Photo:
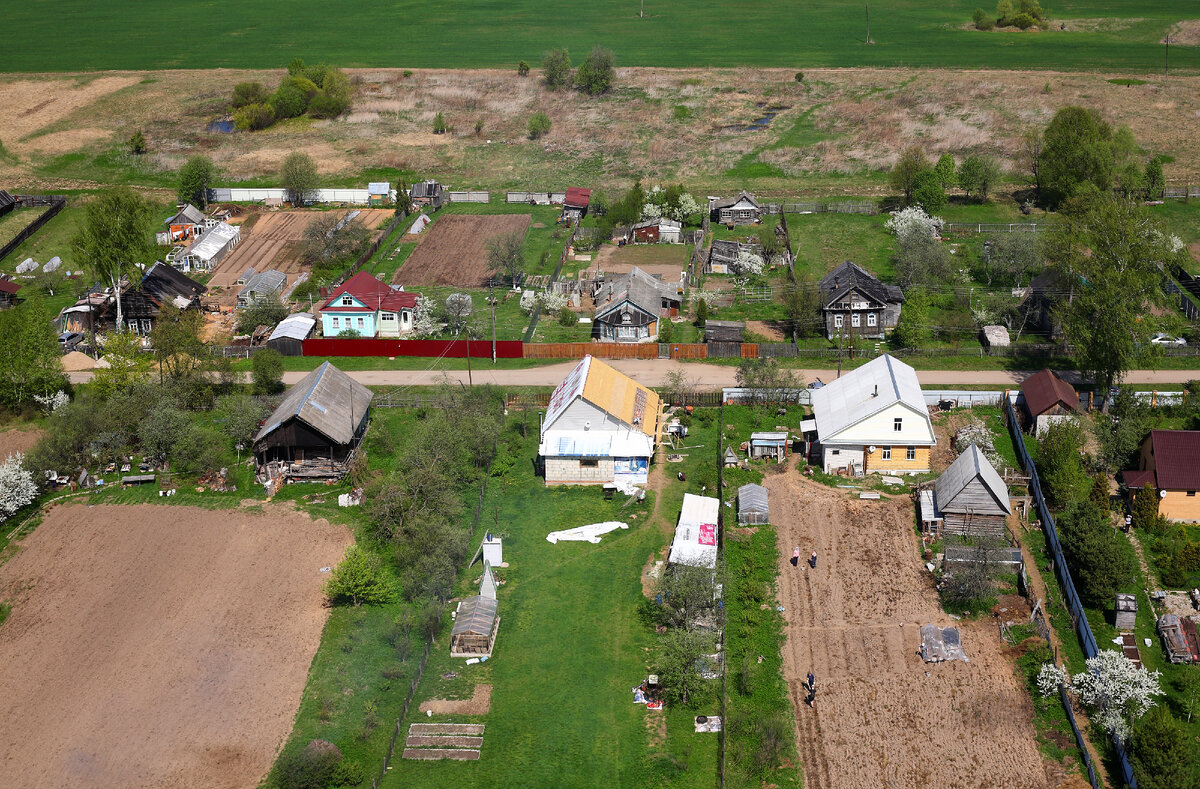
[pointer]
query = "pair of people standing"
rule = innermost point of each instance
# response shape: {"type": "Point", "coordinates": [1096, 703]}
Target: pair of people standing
{"type": "Point", "coordinates": [812, 560]}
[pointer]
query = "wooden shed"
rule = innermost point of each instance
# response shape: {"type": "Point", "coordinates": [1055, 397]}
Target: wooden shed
{"type": "Point", "coordinates": [971, 498]}
{"type": "Point", "coordinates": [1048, 395]}
{"type": "Point", "coordinates": [475, 626]}
{"type": "Point", "coordinates": [316, 430]}
{"type": "Point", "coordinates": [752, 505]}
{"type": "Point", "coordinates": [1126, 611]}
{"type": "Point", "coordinates": [289, 335]}
{"type": "Point", "coordinates": [772, 444]}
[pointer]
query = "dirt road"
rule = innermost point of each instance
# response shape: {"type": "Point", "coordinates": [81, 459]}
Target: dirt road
{"type": "Point", "coordinates": [158, 646]}
{"type": "Point", "coordinates": [884, 718]}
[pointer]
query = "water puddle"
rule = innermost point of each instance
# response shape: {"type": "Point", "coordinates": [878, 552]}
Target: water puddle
{"type": "Point", "coordinates": [221, 126]}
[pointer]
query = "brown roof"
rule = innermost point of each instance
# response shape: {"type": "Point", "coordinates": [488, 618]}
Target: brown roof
{"type": "Point", "coordinates": [577, 197]}
{"type": "Point", "coordinates": [1044, 389]}
{"type": "Point", "coordinates": [1176, 458]}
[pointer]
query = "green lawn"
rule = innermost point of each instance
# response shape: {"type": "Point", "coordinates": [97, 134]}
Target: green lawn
{"type": "Point", "coordinates": [125, 34]}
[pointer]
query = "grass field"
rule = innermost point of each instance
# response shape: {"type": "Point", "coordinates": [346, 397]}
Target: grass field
{"type": "Point", "coordinates": [127, 34]}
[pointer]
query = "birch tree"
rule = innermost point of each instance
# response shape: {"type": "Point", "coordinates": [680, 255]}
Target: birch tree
{"type": "Point", "coordinates": [114, 238]}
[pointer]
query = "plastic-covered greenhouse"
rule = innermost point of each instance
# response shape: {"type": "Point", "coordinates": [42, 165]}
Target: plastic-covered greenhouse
{"type": "Point", "coordinates": [752, 504]}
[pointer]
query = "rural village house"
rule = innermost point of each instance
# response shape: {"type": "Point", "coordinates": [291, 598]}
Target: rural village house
{"type": "Point", "coordinates": [970, 498]}
{"type": "Point", "coordinates": [628, 307]}
{"type": "Point", "coordinates": [7, 202]}
{"type": "Point", "coordinates": [874, 419]}
{"type": "Point", "coordinates": [140, 303]}
{"type": "Point", "coordinates": [855, 303]}
{"type": "Point", "coordinates": [8, 293]}
{"type": "Point", "coordinates": [207, 250]}
{"type": "Point", "coordinates": [1170, 463]}
{"type": "Point", "coordinates": [656, 231]}
{"type": "Point", "coordinates": [187, 223]}
{"type": "Point", "coordinates": [575, 203]}
{"type": "Point", "coordinates": [740, 210]}
{"type": "Point", "coordinates": [601, 427]}
{"type": "Point", "coordinates": [261, 287]}
{"type": "Point", "coordinates": [1048, 398]}
{"type": "Point", "coordinates": [368, 306]}
{"type": "Point", "coordinates": [315, 431]}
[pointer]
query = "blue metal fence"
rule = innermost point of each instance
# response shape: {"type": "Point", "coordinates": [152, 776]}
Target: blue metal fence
{"type": "Point", "coordinates": [1071, 598]}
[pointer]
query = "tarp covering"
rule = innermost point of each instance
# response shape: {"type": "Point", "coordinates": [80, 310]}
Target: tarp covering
{"type": "Point", "coordinates": [941, 643]}
{"type": "Point", "coordinates": [695, 542]}
{"type": "Point", "coordinates": [590, 533]}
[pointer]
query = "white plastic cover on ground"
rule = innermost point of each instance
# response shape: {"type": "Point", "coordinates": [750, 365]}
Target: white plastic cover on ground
{"type": "Point", "coordinates": [590, 533]}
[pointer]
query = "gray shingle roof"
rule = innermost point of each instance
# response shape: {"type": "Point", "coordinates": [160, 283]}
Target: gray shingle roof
{"type": "Point", "coordinates": [189, 213]}
{"type": "Point", "coordinates": [849, 275]}
{"type": "Point", "coordinates": [639, 288]}
{"type": "Point", "coordinates": [969, 465]}
{"type": "Point", "coordinates": [327, 400]}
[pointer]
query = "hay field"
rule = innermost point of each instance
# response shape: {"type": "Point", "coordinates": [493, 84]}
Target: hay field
{"type": "Point", "coordinates": [158, 646]}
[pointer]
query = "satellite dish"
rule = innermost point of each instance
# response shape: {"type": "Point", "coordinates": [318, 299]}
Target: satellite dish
{"type": "Point", "coordinates": [1162, 494]}
{"type": "Point", "coordinates": [871, 449]}
{"type": "Point", "coordinates": [587, 425]}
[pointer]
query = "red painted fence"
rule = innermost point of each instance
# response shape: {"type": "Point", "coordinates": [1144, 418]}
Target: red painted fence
{"type": "Point", "coordinates": [450, 349]}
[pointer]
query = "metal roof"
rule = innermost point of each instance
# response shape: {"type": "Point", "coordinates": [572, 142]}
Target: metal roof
{"type": "Point", "coordinates": [643, 290]}
{"type": "Point", "coordinates": [772, 435]}
{"type": "Point", "coordinates": [729, 202]}
{"type": "Point", "coordinates": [264, 282]}
{"type": "Point", "coordinates": [372, 292]}
{"type": "Point", "coordinates": [695, 540]}
{"type": "Point", "coordinates": [327, 400]}
{"type": "Point", "coordinates": [577, 197]}
{"type": "Point", "coordinates": [476, 616]}
{"type": "Point", "coordinates": [866, 391]}
{"type": "Point", "coordinates": [609, 390]}
{"type": "Point", "coordinates": [189, 214]}
{"type": "Point", "coordinates": [295, 327]}
{"type": "Point", "coordinates": [379, 188]}
{"type": "Point", "coordinates": [1176, 456]}
{"type": "Point", "coordinates": [1044, 389]}
{"type": "Point", "coordinates": [966, 467]}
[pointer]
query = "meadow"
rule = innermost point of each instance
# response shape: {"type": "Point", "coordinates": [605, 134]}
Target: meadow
{"type": "Point", "coordinates": [126, 34]}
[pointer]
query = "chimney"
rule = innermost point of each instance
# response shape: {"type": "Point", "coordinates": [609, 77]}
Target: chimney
{"type": "Point", "coordinates": [876, 391]}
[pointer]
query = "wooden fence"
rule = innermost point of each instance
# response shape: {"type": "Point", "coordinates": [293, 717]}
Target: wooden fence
{"type": "Point", "coordinates": [537, 198]}
{"type": "Point", "coordinates": [601, 350]}
{"type": "Point", "coordinates": [468, 197]}
{"type": "Point", "coordinates": [370, 251]}
{"type": "Point", "coordinates": [842, 207]}
{"type": "Point", "coordinates": [994, 227]}
{"type": "Point", "coordinates": [537, 307]}
{"type": "Point", "coordinates": [56, 202]}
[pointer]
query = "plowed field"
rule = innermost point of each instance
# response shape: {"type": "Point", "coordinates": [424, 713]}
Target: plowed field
{"type": "Point", "coordinates": [883, 717]}
{"type": "Point", "coordinates": [274, 241]}
{"type": "Point", "coordinates": [454, 250]}
{"type": "Point", "coordinates": [158, 646]}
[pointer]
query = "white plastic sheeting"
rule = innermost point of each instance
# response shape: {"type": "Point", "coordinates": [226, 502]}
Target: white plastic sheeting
{"type": "Point", "coordinates": [590, 533]}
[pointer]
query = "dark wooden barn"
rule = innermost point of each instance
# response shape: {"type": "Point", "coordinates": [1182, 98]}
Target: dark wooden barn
{"type": "Point", "coordinates": [971, 498]}
{"type": "Point", "coordinates": [316, 430]}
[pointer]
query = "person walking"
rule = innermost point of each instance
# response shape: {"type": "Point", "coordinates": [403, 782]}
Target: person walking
{"type": "Point", "coordinates": [812, 560]}
{"type": "Point", "coordinates": [796, 557]}
{"type": "Point", "coordinates": [812, 682]}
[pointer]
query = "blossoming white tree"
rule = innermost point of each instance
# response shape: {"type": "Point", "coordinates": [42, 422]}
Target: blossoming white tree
{"type": "Point", "coordinates": [552, 302]}
{"type": "Point", "coordinates": [748, 263]}
{"type": "Point", "coordinates": [914, 220]}
{"type": "Point", "coordinates": [1116, 690]}
{"type": "Point", "coordinates": [424, 322]}
{"type": "Point", "coordinates": [17, 487]}
{"type": "Point", "coordinates": [51, 403]}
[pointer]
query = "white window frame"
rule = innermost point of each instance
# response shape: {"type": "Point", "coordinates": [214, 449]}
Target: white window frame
{"type": "Point", "coordinates": [855, 320]}
{"type": "Point", "coordinates": [387, 316]}
{"type": "Point", "coordinates": [871, 319]}
{"type": "Point", "coordinates": [347, 300]}
{"type": "Point", "coordinates": [887, 453]}
{"type": "Point", "coordinates": [898, 424]}
{"type": "Point", "coordinates": [837, 321]}
{"type": "Point", "coordinates": [910, 453]}
{"type": "Point", "coordinates": [334, 320]}
{"type": "Point", "coordinates": [361, 322]}
{"type": "Point", "coordinates": [146, 326]}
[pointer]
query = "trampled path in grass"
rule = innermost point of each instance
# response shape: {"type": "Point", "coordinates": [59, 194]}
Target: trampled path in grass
{"type": "Point", "coordinates": [129, 34]}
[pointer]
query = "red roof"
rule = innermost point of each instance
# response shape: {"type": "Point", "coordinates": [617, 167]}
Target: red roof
{"type": "Point", "coordinates": [374, 293]}
{"type": "Point", "coordinates": [1136, 480]}
{"type": "Point", "coordinates": [1176, 458]}
{"type": "Point", "coordinates": [577, 197]}
{"type": "Point", "coordinates": [1043, 390]}
{"type": "Point", "coordinates": [8, 286]}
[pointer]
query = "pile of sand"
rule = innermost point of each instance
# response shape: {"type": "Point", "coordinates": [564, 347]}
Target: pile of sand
{"type": "Point", "coordinates": [76, 361]}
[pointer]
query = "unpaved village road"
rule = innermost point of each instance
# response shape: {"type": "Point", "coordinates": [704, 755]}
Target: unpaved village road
{"type": "Point", "coordinates": [654, 372]}
{"type": "Point", "coordinates": [882, 717]}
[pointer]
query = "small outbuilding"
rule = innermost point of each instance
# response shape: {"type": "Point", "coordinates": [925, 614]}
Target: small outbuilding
{"type": "Point", "coordinates": [576, 201]}
{"type": "Point", "coordinates": [773, 444]}
{"type": "Point", "coordinates": [428, 193]}
{"type": "Point", "coordinates": [262, 287]}
{"type": "Point", "coordinates": [379, 193]}
{"type": "Point", "coordinates": [752, 505]}
{"type": "Point", "coordinates": [695, 542]}
{"type": "Point", "coordinates": [1048, 395]}
{"type": "Point", "coordinates": [1126, 611]}
{"type": "Point", "coordinates": [7, 202]}
{"type": "Point", "coordinates": [315, 432]}
{"type": "Point", "coordinates": [740, 210]}
{"type": "Point", "coordinates": [656, 231]}
{"type": "Point", "coordinates": [288, 337]}
{"type": "Point", "coordinates": [970, 497]}
{"type": "Point", "coordinates": [995, 336]}
{"type": "Point", "coordinates": [724, 331]}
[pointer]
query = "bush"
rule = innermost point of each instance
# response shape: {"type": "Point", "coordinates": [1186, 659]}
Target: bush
{"type": "Point", "coordinates": [267, 313]}
{"type": "Point", "coordinates": [360, 578]}
{"type": "Point", "coordinates": [982, 20]}
{"type": "Point", "coordinates": [137, 143]}
{"type": "Point", "coordinates": [289, 101]}
{"type": "Point", "coordinates": [928, 192]}
{"type": "Point", "coordinates": [556, 68]}
{"type": "Point", "coordinates": [313, 767]}
{"type": "Point", "coordinates": [523, 69]}
{"type": "Point", "coordinates": [539, 125]}
{"type": "Point", "coordinates": [566, 317]}
{"type": "Point", "coordinates": [325, 106]}
{"type": "Point", "coordinates": [439, 124]}
{"type": "Point", "coordinates": [247, 93]}
{"type": "Point", "coordinates": [253, 117]}
{"type": "Point", "coordinates": [799, 76]}
{"type": "Point", "coordinates": [266, 371]}
{"type": "Point", "coordinates": [596, 74]}
{"type": "Point", "coordinates": [1023, 21]}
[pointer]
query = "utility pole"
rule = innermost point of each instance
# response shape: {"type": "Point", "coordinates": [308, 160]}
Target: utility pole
{"type": "Point", "coordinates": [1167, 56]}
{"type": "Point", "coordinates": [868, 23]}
{"type": "Point", "coordinates": [492, 300]}
{"type": "Point", "coordinates": [469, 381]}
{"type": "Point", "coordinates": [642, 11]}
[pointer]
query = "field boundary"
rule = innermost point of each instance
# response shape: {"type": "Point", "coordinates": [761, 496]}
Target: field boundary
{"type": "Point", "coordinates": [56, 202]}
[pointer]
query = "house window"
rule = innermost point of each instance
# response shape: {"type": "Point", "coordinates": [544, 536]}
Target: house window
{"type": "Point", "coordinates": [871, 319]}
{"type": "Point", "coordinates": [837, 321]}
{"type": "Point", "coordinates": [387, 317]}
{"type": "Point", "coordinates": [335, 321]}
{"type": "Point", "coordinates": [887, 453]}
{"type": "Point", "coordinates": [589, 463]}
{"type": "Point", "coordinates": [856, 320]}
{"type": "Point", "coordinates": [898, 424]}
{"type": "Point", "coordinates": [835, 452]}
{"type": "Point", "coordinates": [910, 453]}
{"type": "Point", "coordinates": [145, 325]}
{"type": "Point", "coordinates": [133, 326]}
{"type": "Point", "coordinates": [1191, 493]}
{"type": "Point", "coordinates": [347, 301]}
{"type": "Point", "coordinates": [360, 322]}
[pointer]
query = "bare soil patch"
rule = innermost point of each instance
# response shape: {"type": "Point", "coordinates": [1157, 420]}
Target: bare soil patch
{"type": "Point", "coordinates": [273, 240]}
{"type": "Point", "coordinates": [77, 360]}
{"type": "Point", "coordinates": [454, 249]}
{"type": "Point", "coordinates": [158, 646]}
{"type": "Point", "coordinates": [13, 441]}
{"type": "Point", "coordinates": [667, 260]}
{"type": "Point", "coordinates": [34, 104]}
{"type": "Point", "coordinates": [769, 329]}
{"type": "Point", "coordinates": [1186, 33]}
{"type": "Point", "coordinates": [883, 717]}
{"type": "Point", "coordinates": [479, 703]}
